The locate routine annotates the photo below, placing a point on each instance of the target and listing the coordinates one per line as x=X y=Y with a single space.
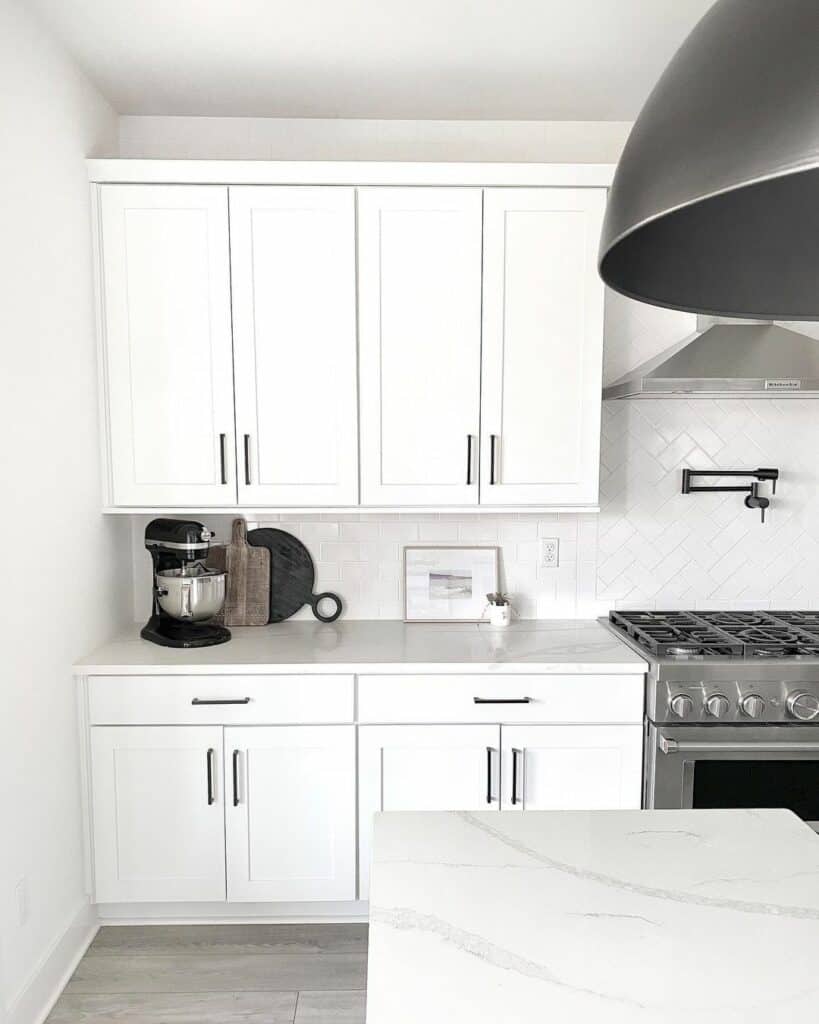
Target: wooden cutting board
x=247 y=594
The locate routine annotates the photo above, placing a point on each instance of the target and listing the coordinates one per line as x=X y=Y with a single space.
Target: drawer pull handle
x=222 y=459
x=502 y=700
x=469 y=460
x=235 y=778
x=493 y=458
x=247 y=459
x=516 y=756
x=199 y=701
x=489 y=798
x=209 y=767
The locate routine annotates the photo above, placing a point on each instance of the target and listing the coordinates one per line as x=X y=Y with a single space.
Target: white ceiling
x=450 y=59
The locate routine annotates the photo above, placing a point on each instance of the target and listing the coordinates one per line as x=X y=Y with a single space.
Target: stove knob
x=717 y=705
x=682 y=705
x=804 y=706
x=753 y=705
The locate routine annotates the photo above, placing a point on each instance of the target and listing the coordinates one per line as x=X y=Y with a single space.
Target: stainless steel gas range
x=732 y=708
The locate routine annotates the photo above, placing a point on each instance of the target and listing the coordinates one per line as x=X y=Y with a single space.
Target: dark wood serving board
x=292 y=576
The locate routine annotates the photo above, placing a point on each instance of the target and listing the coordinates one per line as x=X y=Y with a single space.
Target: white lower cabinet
x=422 y=768
x=290 y=812
x=158 y=803
x=571 y=767
x=180 y=816
x=470 y=767
x=242 y=810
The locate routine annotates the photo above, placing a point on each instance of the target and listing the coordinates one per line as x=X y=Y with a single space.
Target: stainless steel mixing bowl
x=193 y=593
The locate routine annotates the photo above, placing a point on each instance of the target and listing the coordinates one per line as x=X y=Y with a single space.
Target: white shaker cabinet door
x=167 y=347
x=290 y=815
x=423 y=768
x=419 y=267
x=542 y=346
x=158 y=808
x=572 y=767
x=294 y=324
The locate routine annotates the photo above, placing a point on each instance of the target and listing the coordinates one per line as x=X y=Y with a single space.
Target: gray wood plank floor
x=219 y=974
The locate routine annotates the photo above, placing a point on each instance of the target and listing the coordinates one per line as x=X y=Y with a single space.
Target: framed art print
x=448 y=583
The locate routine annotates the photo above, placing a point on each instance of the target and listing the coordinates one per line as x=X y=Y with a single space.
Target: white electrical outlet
x=21 y=896
x=549 y=552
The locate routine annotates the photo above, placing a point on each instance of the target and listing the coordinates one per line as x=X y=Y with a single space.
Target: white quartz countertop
x=594 y=917
x=543 y=646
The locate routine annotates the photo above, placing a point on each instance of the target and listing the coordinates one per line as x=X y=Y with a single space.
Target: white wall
x=63 y=564
x=260 y=138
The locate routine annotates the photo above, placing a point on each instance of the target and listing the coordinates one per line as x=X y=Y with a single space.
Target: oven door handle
x=669 y=746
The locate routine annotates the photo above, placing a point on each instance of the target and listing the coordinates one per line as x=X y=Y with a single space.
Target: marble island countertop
x=606 y=917
x=543 y=646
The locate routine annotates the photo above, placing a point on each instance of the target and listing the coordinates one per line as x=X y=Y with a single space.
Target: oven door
x=734 y=766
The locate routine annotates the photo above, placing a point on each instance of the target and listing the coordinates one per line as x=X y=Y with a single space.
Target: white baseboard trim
x=351 y=912
x=41 y=990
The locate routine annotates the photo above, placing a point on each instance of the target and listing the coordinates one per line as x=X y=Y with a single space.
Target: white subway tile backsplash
x=357 y=571
x=478 y=531
x=315 y=532
x=444 y=532
x=341 y=552
x=363 y=559
x=517 y=529
x=405 y=531
x=360 y=531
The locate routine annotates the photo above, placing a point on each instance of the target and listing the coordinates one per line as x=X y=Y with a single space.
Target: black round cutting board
x=292 y=576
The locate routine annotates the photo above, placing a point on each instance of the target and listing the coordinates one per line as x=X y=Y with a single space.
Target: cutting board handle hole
x=326 y=607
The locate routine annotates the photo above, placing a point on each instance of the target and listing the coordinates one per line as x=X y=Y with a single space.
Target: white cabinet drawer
x=536 y=698
x=245 y=700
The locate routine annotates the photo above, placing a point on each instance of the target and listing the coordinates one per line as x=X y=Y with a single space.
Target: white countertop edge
x=362 y=668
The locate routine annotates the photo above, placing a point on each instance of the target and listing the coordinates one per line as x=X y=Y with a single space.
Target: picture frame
x=449 y=582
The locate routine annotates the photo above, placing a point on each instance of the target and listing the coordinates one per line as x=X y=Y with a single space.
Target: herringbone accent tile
x=660 y=548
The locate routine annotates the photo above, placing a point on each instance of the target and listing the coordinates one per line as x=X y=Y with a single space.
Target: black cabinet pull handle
x=493 y=458
x=516 y=754
x=468 y=460
x=502 y=700
x=222 y=460
x=247 y=459
x=200 y=702
x=489 y=797
x=209 y=767
x=235 y=778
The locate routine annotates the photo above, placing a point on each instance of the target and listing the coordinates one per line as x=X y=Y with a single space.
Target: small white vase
x=500 y=614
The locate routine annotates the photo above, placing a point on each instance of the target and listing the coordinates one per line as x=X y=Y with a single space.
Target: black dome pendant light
x=714 y=206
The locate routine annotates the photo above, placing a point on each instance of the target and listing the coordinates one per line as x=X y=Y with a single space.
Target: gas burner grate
x=676 y=634
x=807 y=622
x=722 y=634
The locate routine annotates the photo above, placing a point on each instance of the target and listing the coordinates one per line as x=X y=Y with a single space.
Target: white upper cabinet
x=167 y=357
x=419 y=294
x=294 y=337
x=380 y=346
x=542 y=346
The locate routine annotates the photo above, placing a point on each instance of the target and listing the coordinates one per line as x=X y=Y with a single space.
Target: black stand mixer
x=186 y=594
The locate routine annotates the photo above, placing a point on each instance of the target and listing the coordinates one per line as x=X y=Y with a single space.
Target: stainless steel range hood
x=729 y=360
